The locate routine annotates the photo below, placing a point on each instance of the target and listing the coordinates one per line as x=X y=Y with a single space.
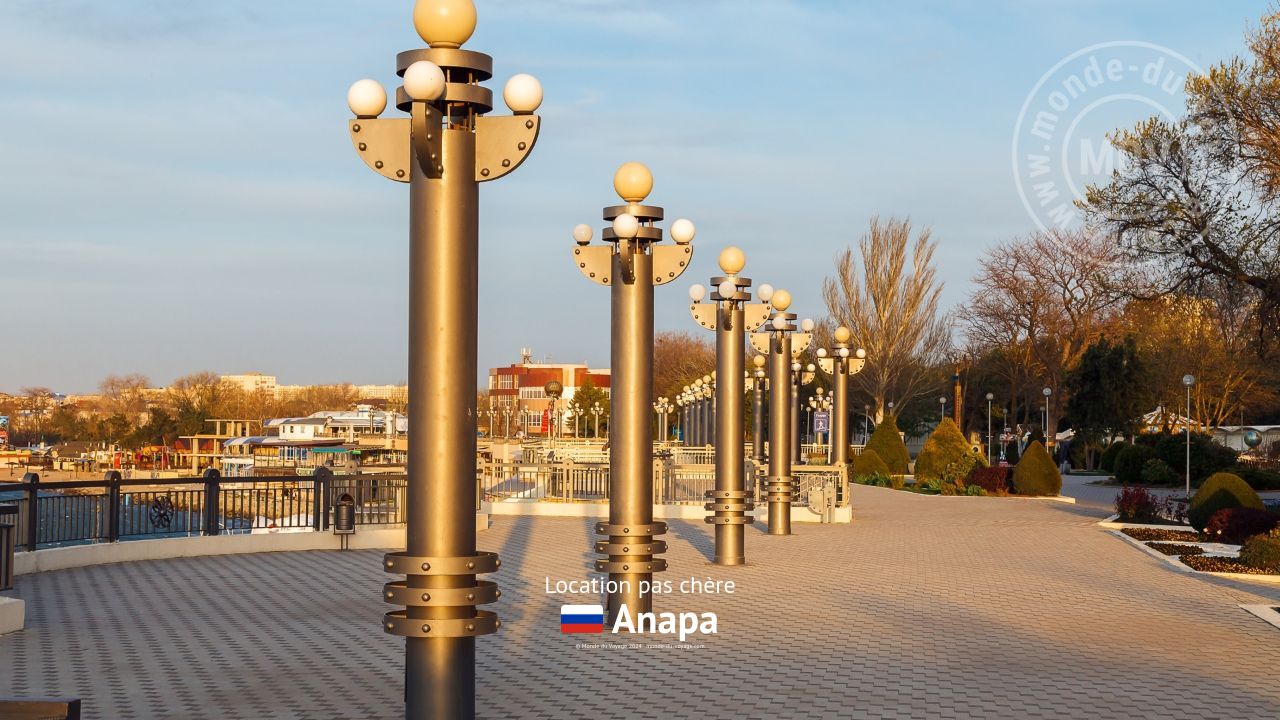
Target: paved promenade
x=925 y=607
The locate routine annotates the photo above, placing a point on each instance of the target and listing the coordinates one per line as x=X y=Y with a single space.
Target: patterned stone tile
x=924 y=607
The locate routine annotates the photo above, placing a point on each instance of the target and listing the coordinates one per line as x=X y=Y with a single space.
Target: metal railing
x=673 y=483
x=111 y=509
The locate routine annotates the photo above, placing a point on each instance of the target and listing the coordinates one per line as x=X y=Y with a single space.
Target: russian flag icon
x=581 y=618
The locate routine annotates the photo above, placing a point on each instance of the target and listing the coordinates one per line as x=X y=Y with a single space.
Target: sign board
x=4 y=436
x=821 y=421
x=4 y=422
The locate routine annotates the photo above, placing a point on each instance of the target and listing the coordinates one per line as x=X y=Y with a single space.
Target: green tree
x=585 y=398
x=1107 y=393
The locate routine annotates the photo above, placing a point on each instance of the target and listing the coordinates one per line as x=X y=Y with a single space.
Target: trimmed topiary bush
x=1129 y=463
x=1235 y=525
x=1221 y=490
x=1262 y=552
x=1156 y=472
x=866 y=464
x=1107 y=463
x=944 y=453
x=887 y=443
x=1036 y=474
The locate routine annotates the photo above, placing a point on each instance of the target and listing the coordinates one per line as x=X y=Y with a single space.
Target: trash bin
x=344 y=516
x=8 y=544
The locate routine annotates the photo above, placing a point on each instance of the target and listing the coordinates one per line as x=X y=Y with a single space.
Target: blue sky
x=179 y=192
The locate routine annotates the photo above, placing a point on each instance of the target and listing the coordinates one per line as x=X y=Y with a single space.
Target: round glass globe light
x=626 y=226
x=582 y=233
x=758 y=361
x=781 y=300
x=444 y=23
x=861 y=353
x=779 y=322
x=822 y=352
x=844 y=352
x=806 y=324
x=697 y=292
x=522 y=93
x=727 y=289
x=682 y=231
x=810 y=367
x=843 y=334
x=633 y=182
x=424 y=80
x=732 y=260
x=366 y=98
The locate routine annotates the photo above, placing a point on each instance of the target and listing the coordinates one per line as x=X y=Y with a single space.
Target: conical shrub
x=867 y=463
x=887 y=443
x=1036 y=474
x=946 y=452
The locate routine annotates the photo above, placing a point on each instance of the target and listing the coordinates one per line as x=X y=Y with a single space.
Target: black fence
x=72 y=512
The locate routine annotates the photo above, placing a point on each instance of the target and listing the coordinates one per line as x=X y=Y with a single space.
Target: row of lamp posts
x=444 y=149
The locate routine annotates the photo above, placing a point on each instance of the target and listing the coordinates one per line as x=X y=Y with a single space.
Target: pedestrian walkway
x=924 y=607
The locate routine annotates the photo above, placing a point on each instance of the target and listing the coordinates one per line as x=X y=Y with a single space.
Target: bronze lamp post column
x=729 y=316
x=757 y=415
x=776 y=341
x=840 y=363
x=631 y=263
x=443 y=150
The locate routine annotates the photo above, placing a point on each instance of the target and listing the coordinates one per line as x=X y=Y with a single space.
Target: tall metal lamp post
x=757 y=415
x=730 y=316
x=840 y=363
x=990 y=457
x=553 y=389
x=1048 y=437
x=1188 y=380
x=443 y=150
x=595 y=412
x=943 y=402
x=662 y=407
x=801 y=374
x=780 y=342
x=630 y=264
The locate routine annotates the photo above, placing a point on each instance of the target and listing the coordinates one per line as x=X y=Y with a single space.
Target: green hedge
x=1130 y=461
x=1221 y=490
x=887 y=443
x=1107 y=463
x=1036 y=474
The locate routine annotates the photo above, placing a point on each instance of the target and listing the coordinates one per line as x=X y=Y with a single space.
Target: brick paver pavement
x=925 y=607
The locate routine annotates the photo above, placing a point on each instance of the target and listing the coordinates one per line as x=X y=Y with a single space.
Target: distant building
x=520 y=385
x=204 y=450
x=336 y=439
x=252 y=382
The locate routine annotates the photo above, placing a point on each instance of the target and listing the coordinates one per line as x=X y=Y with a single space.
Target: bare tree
x=892 y=308
x=1040 y=302
x=125 y=394
x=679 y=358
